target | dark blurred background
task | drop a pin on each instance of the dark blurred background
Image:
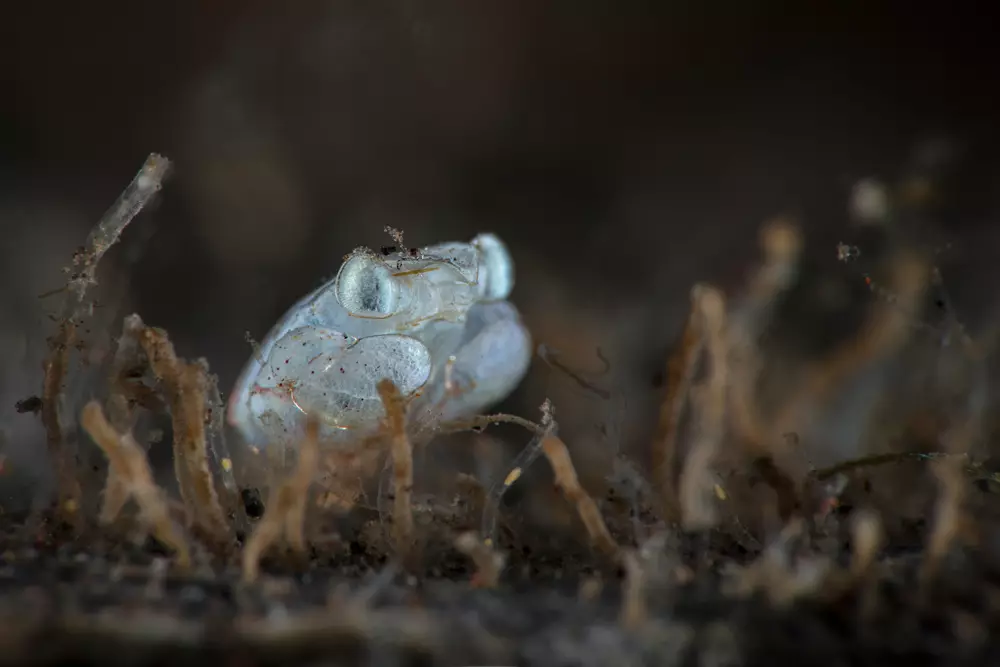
(623, 149)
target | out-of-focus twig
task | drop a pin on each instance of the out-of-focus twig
(949, 514)
(947, 517)
(217, 447)
(132, 471)
(285, 513)
(83, 273)
(886, 329)
(119, 410)
(680, 374)
(866, 540)
(633, 611)
(696, 484)
(527, 456)
(185, 385)
(781, 243)
(402, 465)
(566, 479)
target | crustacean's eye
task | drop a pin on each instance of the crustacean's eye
(365, 287)
(496, 267)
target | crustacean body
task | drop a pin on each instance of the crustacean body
(434, 320)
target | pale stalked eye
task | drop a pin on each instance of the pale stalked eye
(496, 267)
(365, 287)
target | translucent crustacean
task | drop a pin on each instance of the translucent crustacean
(435, 321)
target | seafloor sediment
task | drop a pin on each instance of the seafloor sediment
(94, 599)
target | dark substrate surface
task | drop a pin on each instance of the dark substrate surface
(103, 601)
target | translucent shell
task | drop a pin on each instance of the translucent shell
(434, 321)
(313, 371)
